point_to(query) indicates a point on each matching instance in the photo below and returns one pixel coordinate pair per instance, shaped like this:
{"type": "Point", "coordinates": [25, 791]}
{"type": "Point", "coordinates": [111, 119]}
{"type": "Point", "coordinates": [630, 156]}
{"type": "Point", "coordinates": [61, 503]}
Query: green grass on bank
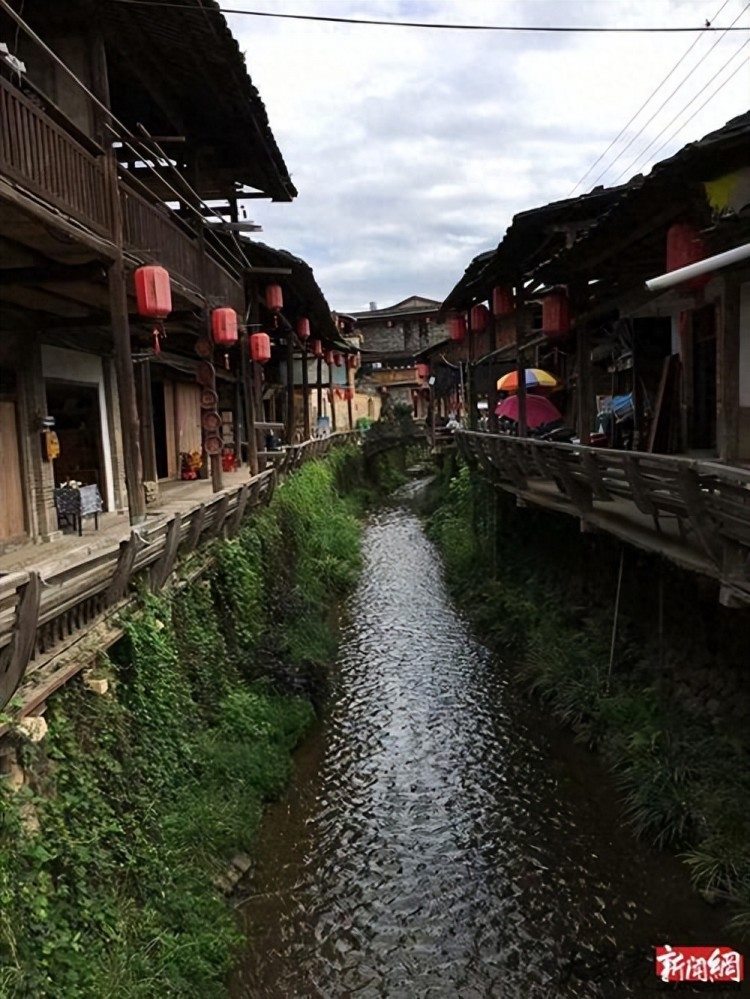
{"type": "Point", "coordinates": [539, 593]}
{"type": "Point", "coordinates": [138, 799]}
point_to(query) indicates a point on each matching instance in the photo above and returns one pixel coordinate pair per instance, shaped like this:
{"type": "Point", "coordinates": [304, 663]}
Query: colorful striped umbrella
{"type": "Point", "coordinates": [535, 378]}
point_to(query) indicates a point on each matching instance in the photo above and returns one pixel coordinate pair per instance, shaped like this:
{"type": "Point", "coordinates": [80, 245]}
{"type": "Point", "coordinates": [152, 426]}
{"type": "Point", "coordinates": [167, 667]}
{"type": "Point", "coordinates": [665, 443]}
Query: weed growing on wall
{"type": "Point", "coordinates": [136, 801]}
{"type": "Point", "coordinates": [685, 780]}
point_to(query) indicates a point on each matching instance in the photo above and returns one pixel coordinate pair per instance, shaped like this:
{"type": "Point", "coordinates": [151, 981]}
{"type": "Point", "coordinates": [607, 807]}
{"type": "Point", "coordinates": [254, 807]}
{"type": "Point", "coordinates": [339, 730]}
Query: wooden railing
{"type": "Point", "coordinates": [39, 154]}
{"type": "Point", "coordinates": [54, 165]}
{"type": "Point", "coordinates": [709, 502]}
{"type": "Point", "coordinates": [43, 614]}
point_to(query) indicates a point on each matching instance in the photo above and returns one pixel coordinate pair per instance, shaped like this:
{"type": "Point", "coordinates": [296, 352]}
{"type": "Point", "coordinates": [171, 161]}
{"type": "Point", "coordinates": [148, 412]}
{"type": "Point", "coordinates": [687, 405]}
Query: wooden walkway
{"type": "Point", "coordinates": [695, 513]}
{"type": "Point", "coordinates": [58, 601]}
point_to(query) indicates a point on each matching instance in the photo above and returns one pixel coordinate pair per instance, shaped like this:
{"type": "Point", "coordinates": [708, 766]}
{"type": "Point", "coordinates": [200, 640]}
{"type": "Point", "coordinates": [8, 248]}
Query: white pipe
{"type": "Point", "coordinates": [698, 269]}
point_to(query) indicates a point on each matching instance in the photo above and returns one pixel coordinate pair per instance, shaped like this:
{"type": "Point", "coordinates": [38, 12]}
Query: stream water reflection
{"type": "Point", "coordinates": [441, 838]}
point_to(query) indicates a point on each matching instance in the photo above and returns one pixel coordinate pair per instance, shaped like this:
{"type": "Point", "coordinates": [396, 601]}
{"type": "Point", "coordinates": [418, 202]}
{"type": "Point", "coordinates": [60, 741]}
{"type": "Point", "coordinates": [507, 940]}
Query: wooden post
{"type": "Point", "coordinates": [319, 387]}
{"type": "Point", "coordinates": [520, 367]}
{"type": "Point", "coordinates": [585, 400]}
{"type": "Point", "coordinates": [247, 393]}
{"type": "Point", "coordinates": [118, 304]}
{"type": "Point", "coordinates": [349, 388]}
{"type": "Point", "coordinates": [492, 383]}
{"type": "Point", "coordinates": [332, 397]}
{"type": "Point", "coordinates": [471, 401]}
{"type": "Point", "coordinates": [728, 371]}
{"type": "Point", "coordinates": [289, 429]}
{"type": "Point", "coordinates": [305, 394]}
{"type": "Point", "coordinates": [146, 411]}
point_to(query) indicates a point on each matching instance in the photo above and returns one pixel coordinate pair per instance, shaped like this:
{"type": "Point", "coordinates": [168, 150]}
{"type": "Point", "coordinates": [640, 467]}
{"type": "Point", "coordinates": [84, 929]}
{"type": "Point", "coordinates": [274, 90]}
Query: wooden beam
{"type": "Point", "coordinates": [24, 637]}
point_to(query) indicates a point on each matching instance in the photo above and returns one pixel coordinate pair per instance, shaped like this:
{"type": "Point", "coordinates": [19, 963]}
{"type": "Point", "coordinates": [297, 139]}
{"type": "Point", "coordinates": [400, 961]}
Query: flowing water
{"type": "Point", "coordinates": [441, 837]}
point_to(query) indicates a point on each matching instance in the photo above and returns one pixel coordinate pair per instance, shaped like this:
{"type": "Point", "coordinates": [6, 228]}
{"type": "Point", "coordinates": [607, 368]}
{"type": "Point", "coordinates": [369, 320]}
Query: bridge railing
{"type": "Point", "coordinates": [44, 613]}
{"type": "Point", "coordinates": [709, 501]}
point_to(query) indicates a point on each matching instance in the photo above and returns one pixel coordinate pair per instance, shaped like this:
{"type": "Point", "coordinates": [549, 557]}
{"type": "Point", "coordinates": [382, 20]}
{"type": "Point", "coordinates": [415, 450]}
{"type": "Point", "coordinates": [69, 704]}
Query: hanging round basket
{"type": "Point", "coordinates": [211, 421]}
{"type": "Point", "coordinates": [209, 398]}
{"type": "Point", "coordinates": [203, 347]}
{"type": "Point", "coordinates": [206, 374]}
{"type": "Point", "coordinates": [213, 444]}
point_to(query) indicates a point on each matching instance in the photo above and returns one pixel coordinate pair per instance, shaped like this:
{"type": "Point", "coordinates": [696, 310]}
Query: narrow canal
{"type": "Point", "coordinates": [441, 837]}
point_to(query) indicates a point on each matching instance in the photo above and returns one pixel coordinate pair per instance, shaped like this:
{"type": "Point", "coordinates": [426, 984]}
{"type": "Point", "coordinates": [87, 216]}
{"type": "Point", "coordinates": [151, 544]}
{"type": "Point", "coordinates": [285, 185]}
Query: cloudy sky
{"type": "Point", "coordinates": [412, 149]}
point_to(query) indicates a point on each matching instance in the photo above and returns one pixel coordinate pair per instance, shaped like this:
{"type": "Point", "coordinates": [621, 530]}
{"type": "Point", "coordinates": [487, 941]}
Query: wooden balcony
{"type": "Point", "coordinates": [49, 161]}
{"type": "Point", "coordinates": [695, 513]}
{"type": "Point", "coordinates": [57, 603]}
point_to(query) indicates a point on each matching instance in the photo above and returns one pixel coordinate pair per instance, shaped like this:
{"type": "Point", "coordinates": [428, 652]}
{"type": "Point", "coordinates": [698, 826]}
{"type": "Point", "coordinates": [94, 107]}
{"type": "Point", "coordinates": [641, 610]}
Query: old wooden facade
{"type": "Point", "coordinates": [130, 137]}
{"type": "Point", "coordinates": [656, 374]}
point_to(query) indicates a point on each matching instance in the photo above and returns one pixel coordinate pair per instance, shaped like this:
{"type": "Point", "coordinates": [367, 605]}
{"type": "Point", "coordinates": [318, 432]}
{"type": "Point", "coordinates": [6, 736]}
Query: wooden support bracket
{"type": "Point", "coordinates": [124, 568]}
{"type": "Point", "coordinates": [161, 570]}
{"type": "Point", "coordinates": [196, 528]}
{"type": "Point", "coordinates": [220, 515]}
{"type": "Point", "coordinates": [700, 520]}
{"type": "Point", "coordinates": [24, 637]}
{"type": "Point", "coordinates": [242, 499]}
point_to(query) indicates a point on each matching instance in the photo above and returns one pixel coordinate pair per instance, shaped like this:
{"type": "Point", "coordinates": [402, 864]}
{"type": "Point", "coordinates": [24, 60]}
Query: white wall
{"type": "Point", "coordinates": [84, 369]}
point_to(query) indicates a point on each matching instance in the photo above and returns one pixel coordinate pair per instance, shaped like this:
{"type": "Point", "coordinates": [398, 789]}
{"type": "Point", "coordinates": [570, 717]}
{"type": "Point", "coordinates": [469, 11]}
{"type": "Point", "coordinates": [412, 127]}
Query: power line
{"type": "Point", "coordinates": [697, 111]}
{"type": "Point", "coordinates": [666, 101]}
{"type": "Point", "coordinates": [554, 29]}
{"type": "Point", "coordinates": [648, 100]}
{"type": "Point", "coordinates": [692, 100]}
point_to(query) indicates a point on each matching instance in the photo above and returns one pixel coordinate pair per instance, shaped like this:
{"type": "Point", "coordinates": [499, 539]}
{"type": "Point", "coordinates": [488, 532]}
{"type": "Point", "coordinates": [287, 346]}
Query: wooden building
{"type": "Point", "coordinates": [128, 137]}
{"type": "Point", "coordinates": [391, 339]}
{"type": "Point", "coordinates": [637, 299]}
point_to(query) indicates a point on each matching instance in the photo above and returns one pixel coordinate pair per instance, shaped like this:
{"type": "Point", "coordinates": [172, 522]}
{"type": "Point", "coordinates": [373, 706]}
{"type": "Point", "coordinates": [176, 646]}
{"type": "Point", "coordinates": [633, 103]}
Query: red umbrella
{"type": "Point", "coordinates": [539, 410]}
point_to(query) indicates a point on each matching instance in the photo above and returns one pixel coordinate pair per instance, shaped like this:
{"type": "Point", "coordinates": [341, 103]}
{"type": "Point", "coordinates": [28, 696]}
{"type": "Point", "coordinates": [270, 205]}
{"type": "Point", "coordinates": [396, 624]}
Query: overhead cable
{"type": "Point", "coordinates": [647, 101]}
{"type": "Point", "coordinates": [666, 101]}
{"type": "Point", "coordinates": [692, 100]}
{"type": "Point", "coordinates": [742, 65]}
{"type": "Point", "coordinates": [435, 26]}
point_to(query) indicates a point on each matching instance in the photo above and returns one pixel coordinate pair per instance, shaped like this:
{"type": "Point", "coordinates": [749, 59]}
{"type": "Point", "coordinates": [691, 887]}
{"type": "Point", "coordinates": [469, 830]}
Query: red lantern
{"type": "Point", "coordinates": [480, 317]}
{"type": "Point", "coordinates": [349, 394]}
{"type": "Point", "coordinates": [274, 297]}
{"type": "Point", "coordinates": [352, 362]}
{"type": "Point", "coordinates": [153, 292]}
{"type": "Point", "coordinates": [337, 359]}
{"type": "Point", "coordinates": [555, 313]}
{"type": "Point", "coordinates": [317, 348]}
{"type": "Point", "coordinates": [423, 372]}
{"type": "Point", "coordinates": [260, 347]}
{"type": "Point", "coordinates": [502, 300]}
{"type": "Point", "coordinates": [303, 328]}
{"type": "Point", "coordinates": [457, 326]}
{"type": "Point", "coordinates": [329, 358]}
{"type": "Point", "coordinates": [685, 246]}
{"type": "Point", "coordinates": [224, 327]}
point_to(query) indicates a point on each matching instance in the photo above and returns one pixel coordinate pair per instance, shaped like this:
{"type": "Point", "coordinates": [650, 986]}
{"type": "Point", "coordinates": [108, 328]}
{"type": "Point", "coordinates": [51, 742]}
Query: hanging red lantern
{"type": "Point", "coordinates": [457, 326]}
{"type": "Point", "coordinates": [329, 358]}
{"type": "Point", "coordinates": [260, 347]}
{"type": "Point", "coordinates": [317, 348]}
{"type": "Point", "coordinates": [480, 318]}
{"type": "Point", "coordinates": [502, 300]}
{"type": "Point", "coordinates": [153, 295]}
{"type": "Point", "coordinates": [349, 394]}
{"type": "Point", "coordinates": [337, 359]}
{"type": "Point", "coordinates": [685, 246]}
{"type": "Point", "coordinates": [352, 362]}
{"type": "Point", "coordinates": [153, 292]}
{"type": "Point", "coordinates": [423, 372]}
{"type": "Point", "coordinates": [274, 297]}
{"type": "Point", "coordinates": [556, 313]}
{"type": "Point", "coordinates": [303, 328]}
{"type": "Point", "coordinates": [224, 327]}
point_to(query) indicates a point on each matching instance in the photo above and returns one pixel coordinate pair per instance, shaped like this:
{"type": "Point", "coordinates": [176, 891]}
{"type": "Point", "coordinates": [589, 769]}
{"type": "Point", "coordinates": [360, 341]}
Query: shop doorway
{"type": "Point", "coordinates": [78, 425]}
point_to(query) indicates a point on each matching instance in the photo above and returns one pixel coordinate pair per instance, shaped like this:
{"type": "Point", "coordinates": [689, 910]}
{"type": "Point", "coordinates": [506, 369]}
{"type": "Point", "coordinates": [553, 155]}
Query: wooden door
{"type": "Point", "coordinates": [12, 514]}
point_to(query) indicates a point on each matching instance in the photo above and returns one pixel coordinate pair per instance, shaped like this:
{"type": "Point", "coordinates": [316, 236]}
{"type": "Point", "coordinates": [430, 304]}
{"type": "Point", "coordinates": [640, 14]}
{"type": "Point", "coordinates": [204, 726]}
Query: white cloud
{"type": "Point", "coordinates": [412, 149]}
